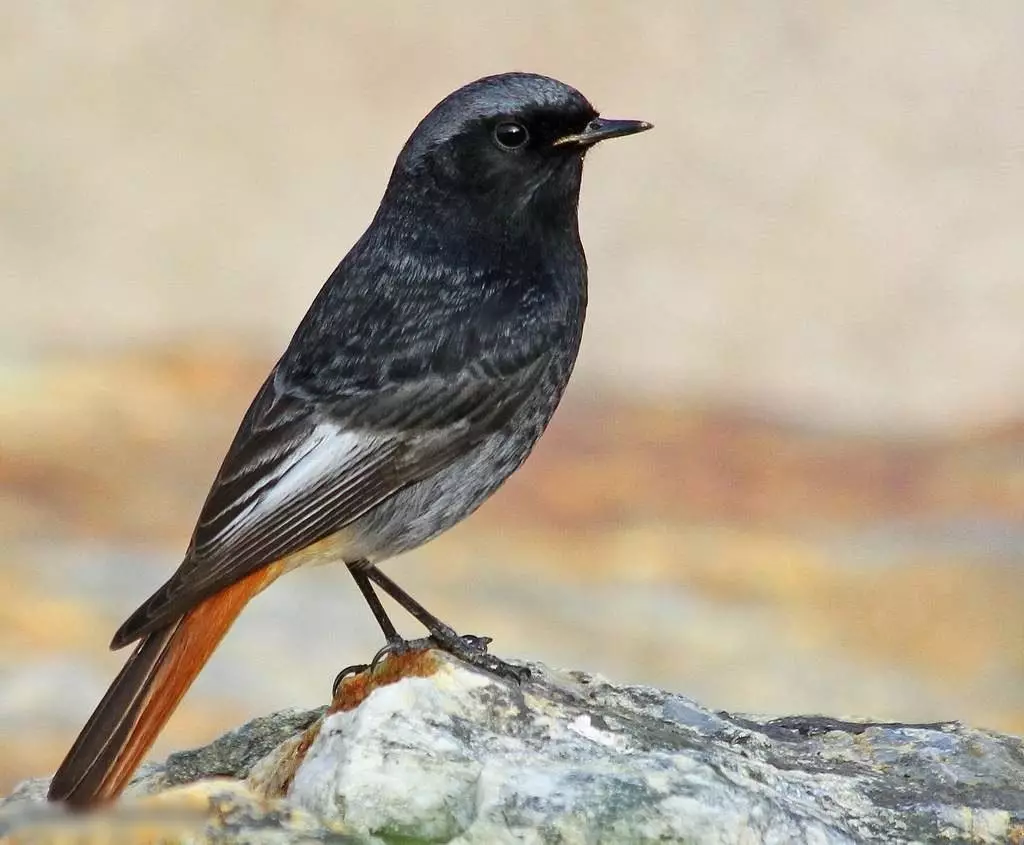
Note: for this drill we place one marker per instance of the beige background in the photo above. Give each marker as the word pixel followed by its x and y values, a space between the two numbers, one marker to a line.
pixel 826 223
pixel 789 475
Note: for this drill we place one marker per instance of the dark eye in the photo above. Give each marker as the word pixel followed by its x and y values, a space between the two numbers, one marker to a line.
pixel 510 135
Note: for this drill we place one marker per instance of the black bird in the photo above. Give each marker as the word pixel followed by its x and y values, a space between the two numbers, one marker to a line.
pixel 421 377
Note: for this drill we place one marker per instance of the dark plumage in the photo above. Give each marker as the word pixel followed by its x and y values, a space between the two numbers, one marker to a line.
pixel 420 379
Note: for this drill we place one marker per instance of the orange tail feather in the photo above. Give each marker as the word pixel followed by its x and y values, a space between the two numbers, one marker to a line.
pixel 145 693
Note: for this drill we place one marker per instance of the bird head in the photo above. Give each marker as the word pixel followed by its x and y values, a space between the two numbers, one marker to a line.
pixel 505 144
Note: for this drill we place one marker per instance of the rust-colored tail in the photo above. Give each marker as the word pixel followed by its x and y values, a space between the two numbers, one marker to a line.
pixel 144 695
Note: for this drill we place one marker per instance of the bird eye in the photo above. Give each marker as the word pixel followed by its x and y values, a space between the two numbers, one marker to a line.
pixel 510 135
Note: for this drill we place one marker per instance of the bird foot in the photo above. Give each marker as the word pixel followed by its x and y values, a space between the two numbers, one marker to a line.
pixel 472 649
pixel 469 648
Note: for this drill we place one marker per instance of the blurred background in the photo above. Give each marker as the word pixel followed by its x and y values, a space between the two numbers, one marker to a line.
pixel 789 474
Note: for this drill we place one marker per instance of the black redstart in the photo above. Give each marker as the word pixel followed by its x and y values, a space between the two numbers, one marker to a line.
pixel 421 377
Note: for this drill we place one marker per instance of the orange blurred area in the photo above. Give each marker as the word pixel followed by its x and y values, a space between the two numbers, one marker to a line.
pixel 745 562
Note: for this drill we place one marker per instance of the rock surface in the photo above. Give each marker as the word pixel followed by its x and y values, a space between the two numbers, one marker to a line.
pixel 425 749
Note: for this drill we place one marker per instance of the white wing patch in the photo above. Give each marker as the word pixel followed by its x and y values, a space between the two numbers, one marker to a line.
pixel 323 454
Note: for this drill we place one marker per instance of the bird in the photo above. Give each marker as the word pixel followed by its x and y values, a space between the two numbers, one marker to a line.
pixel 425 370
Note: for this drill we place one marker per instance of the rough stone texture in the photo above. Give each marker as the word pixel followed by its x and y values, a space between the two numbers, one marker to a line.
pixel 425 749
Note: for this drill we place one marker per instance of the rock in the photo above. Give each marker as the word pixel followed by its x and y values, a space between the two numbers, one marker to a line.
pixel 425 749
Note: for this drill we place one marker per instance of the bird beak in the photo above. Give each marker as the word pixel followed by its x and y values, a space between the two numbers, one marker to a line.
pixel 600 129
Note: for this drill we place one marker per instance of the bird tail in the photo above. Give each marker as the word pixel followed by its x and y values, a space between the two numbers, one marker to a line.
pixel 143 696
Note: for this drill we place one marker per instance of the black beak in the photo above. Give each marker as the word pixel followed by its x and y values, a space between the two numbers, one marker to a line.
pixel 600 129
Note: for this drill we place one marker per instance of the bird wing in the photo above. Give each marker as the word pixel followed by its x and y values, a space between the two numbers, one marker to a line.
pixel 302 468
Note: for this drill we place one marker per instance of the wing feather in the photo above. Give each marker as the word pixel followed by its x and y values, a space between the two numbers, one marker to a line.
pixel 300 469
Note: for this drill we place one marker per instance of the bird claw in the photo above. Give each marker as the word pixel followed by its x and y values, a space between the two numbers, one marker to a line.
pixel 354 669
pixel 396 647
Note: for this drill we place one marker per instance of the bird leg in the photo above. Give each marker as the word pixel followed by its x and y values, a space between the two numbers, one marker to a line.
pixel 358 569
pixel 469 648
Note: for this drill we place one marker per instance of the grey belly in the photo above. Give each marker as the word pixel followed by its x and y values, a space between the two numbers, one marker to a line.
pixel 423 510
